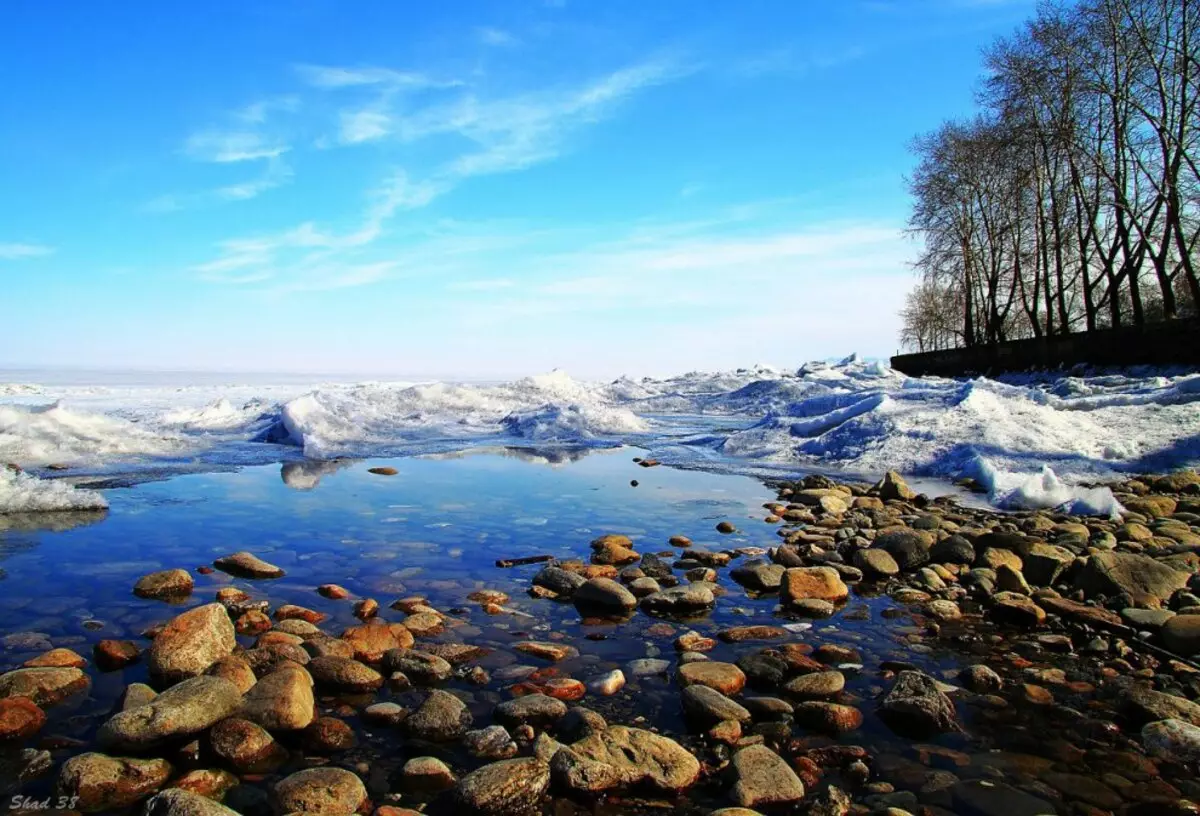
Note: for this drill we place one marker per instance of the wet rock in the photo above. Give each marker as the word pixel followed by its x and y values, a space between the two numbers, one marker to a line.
pixel 327 735
pixel 547 650
pixel 45 687
pixel 513 787
pixel 761 777
pixel 236 669
pixel 635 757
pixel 18 767
pixel 767 708
pixel 1181 634
pixel 559 580
pixel 426 774
pixel 331 791
pixel 828 718
pixel 1151 506
pixel 723 677
pixel 1173 740
pixel 207 783
pixel 1082 613
pixel 916 707
pixel 281 701
pixel 943 610
pixel 741 634
pixel 812 583
pixel 334 592
pixel 425 624
pixel 1084 789
pixel 441 718
pixel 816 686
pixel 420 667
pixel 694 642
pixel 55 659
pixel 1148 582
pixel 708 706
pixel 536 710
pixel 20 718
pixel 604 595
pixel 681 600
pixel 1016 610
pixel 111 655
pixel 613 549
pixel 181 802
pixel 907 547
pixel 192 642
pixel 981 679
pixel 493 742
pixel 246 565
pixel 765 669
pixel 1144 705
pixel 188 708
pixel 168 584
pixel 758 575
pixel 385 713
pixel 344 674
pixel 988 798
pixel 608 684
pixel 876 563
pixel 104 783
pixel 374 638
pixel 137 694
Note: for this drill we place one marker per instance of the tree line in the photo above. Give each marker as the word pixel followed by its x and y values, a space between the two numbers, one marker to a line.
pixel 1071 201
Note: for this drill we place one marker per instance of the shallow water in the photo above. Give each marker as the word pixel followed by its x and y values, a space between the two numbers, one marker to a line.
pixel 436 529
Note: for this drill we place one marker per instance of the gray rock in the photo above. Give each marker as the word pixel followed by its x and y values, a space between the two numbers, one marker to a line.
pixel 1044 563
pixel 907 547
pixel 639 758
pixel 344 674
pixel 441 718
pixel 420 667
pixel 179 802
pixel 536 710
pixel 1147 581
pixel 331 791
pixel 604 595
pixel 709 706
pixel 762 777
pixel 559 580
pixel 758 575
pixel 1173 740
pixel 987 798
pixel 681 600
pixel 192 642
pixel 514 787
pixel 955 549
pixel 916 707
pixel 183 710
pixel 103 783
pixel 493 742
pixel 876 563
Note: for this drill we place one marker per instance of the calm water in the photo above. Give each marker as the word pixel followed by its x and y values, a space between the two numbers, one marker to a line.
pixel 436 529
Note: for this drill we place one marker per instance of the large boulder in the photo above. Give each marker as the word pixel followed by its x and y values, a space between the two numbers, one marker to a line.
pixel 326 791
pixel 916 707
pixel 908 547
pixel 762 777
pixel 1044 563
pixel 1148 582
pixel 192 642
pixel 513 787
pixel 98 783
pixel 189 708
pixel 633 757
pixel 46 687
pixel 281 701
pixel 893 487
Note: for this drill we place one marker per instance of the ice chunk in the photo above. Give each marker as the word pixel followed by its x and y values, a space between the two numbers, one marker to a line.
pixel 23 493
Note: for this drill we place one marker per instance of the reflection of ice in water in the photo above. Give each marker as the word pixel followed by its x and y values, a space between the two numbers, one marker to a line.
pixel 56 522
pixel 306 475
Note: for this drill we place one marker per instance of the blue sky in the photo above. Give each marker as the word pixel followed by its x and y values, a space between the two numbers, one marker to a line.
pixel 467 188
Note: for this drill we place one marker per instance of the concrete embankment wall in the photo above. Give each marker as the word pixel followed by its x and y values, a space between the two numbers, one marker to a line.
pixel 1174 342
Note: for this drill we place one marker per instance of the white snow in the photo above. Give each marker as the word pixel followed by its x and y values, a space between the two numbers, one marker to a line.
pixel 1032 441
pixel 23 493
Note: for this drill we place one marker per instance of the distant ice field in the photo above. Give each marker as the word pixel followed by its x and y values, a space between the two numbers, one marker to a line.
pixel 1031 440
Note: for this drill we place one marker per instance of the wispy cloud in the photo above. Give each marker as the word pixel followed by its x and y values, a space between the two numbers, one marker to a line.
pixel 496 37
pixel 225 147
pixel 14 252
pixel 330 76
pixel 791 61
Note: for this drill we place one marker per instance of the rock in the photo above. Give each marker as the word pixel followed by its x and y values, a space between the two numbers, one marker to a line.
pixel 1079 612
pixel 169 584
pixel 386 713
pixel 943 610
pixel 1016 610
pixel 327 735
pixel 536 710
pixel 493 742
pixel 281 701
pixel 828 718
pixel 694 642
pixel 1173 740
pixel 184 710
pixel 1151 506
pixel 383 471
pixel 207 783
pixel 441 718
pixel 513 787
pixel 20 718
pixel 607 684
pixel 111 655
pixel 637 757
pixel 55 659
pixel 876 563
pixel 708 706
pixel 816 583
pixel 181 802
pixel 613 549
pixel 344 674
pixel 1084 789
pixel 763 778
pixel 374 638
pixel 546 650
pixel 994 558
pixel 20 766
pixel 559 580
pixel 426 774
pixel 192 642
pixel 741 634
pixel 981 679
pixel 245 565
pixel 681 600
pixel 1143 619
pixel 1181 634
pixel 988 798
pixel 723 677
pixel 1144 705
pixel 954 549
pixel 907 547
pixel 816 686
pixel 137 694
pixel 916 707
pixel 892 487
pixel 45 687
pixel 104 783
pixel 606 596
pixel 333 591
pixel 425 624
pixel 236 670
pixel 1147 581
pixel 1044 563
pixel 331 791
pixel 420 667
pixel 758 575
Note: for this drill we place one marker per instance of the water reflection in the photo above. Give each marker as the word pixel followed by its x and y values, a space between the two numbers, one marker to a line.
pixel 55 522
pixel 550 455
pixel 307 474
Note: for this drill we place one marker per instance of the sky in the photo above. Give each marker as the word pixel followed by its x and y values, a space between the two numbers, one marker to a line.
pixel 470 189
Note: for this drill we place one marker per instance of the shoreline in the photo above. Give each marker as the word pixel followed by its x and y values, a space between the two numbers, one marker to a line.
pixel 887 646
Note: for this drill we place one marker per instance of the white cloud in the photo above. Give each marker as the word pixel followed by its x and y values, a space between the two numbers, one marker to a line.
pixel 328 76
pixel 497 37
pixel 13 252
pixel 232 146
pixel 363 126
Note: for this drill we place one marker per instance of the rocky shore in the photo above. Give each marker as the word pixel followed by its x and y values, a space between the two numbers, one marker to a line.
pixel 1032 663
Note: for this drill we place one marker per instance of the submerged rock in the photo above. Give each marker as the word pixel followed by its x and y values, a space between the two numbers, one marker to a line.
pixel 246 565
pixel 45 687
